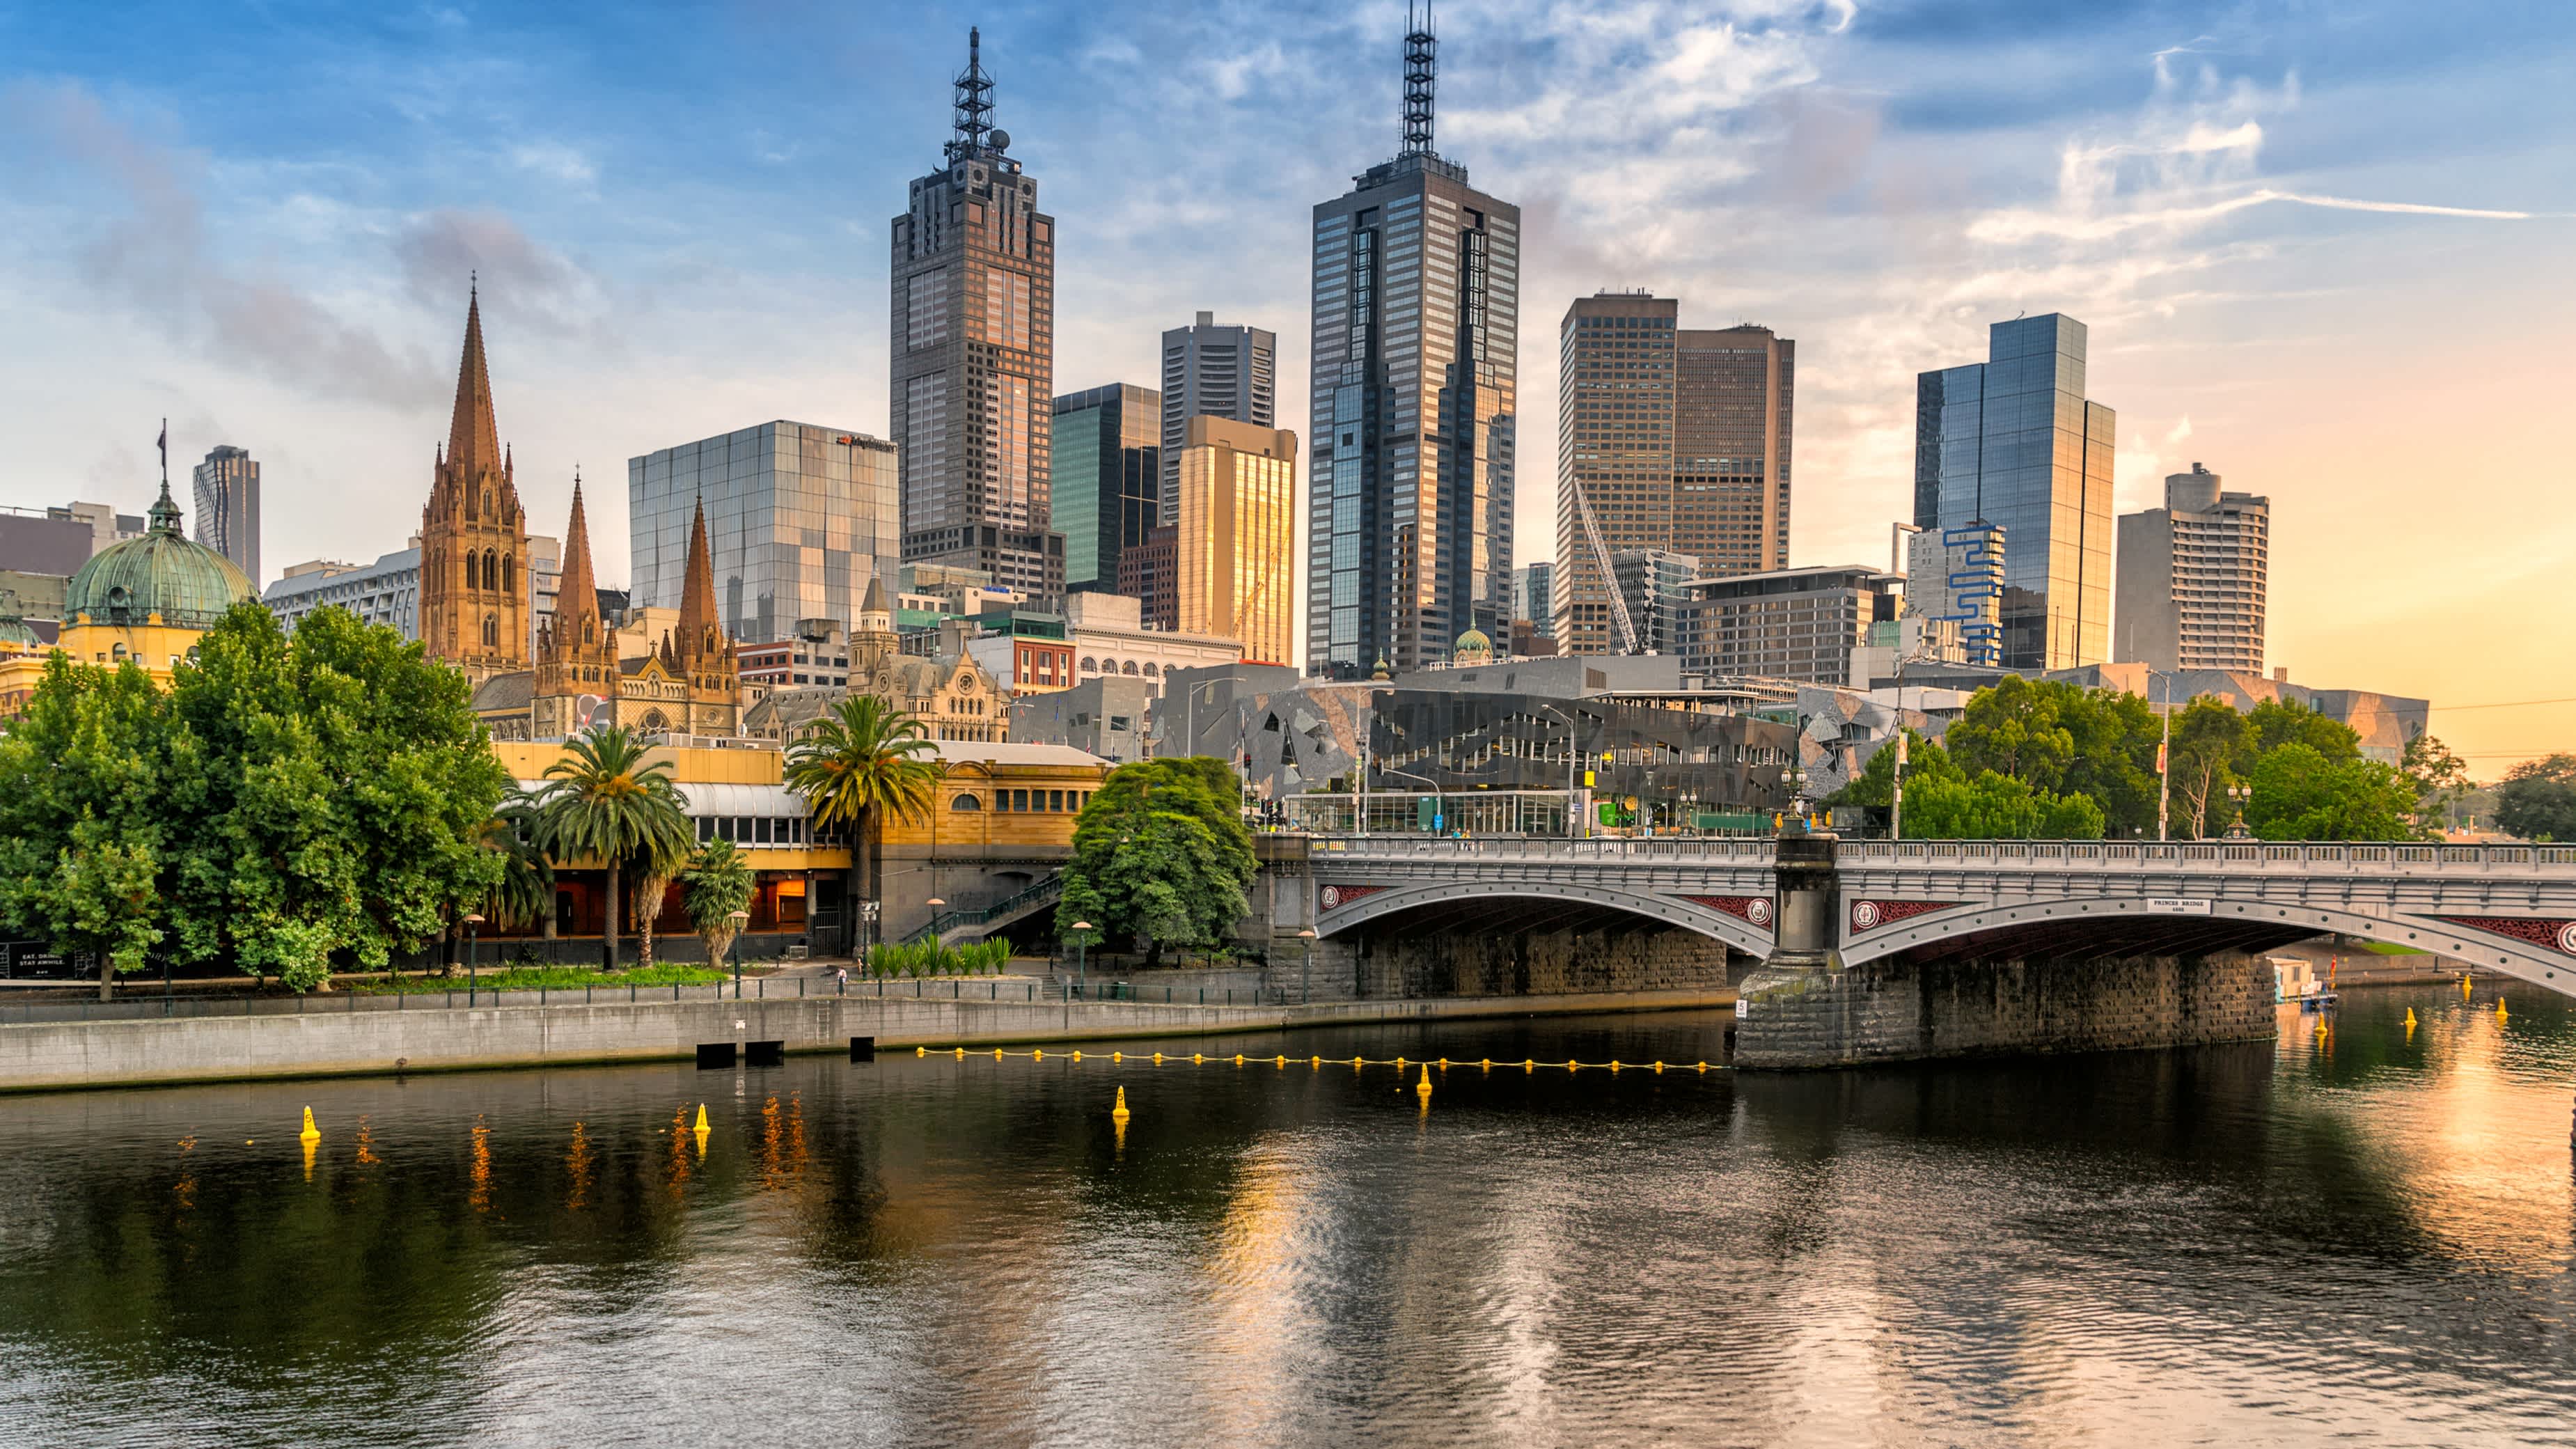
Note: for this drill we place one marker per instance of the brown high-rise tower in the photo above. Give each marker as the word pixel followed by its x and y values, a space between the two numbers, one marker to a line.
pixel 473 536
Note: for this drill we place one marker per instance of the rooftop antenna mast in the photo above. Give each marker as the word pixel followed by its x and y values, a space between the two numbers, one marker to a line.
pixel 974 100
pixel 1421 62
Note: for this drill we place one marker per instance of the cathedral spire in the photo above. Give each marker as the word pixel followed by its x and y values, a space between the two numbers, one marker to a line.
pixel 699 631
pixel 578 595
pixel 473 438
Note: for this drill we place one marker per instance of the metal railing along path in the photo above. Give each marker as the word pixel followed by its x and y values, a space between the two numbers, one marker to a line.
pixel 2284 856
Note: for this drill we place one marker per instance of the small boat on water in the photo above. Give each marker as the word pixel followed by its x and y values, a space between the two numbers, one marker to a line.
pixel 2294 982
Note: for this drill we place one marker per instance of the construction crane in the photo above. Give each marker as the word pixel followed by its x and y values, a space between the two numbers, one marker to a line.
pixel 1609 576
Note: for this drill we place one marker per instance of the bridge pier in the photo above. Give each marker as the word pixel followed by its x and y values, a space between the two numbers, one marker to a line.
pixel 1804 1007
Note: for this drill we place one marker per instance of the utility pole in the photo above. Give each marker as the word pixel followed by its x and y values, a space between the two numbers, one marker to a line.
pixel 2164 777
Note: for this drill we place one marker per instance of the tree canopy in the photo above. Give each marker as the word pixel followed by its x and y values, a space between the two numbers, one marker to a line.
pixel 607 800
pixel 293 804
pixel 2537 799
pixel 1161 856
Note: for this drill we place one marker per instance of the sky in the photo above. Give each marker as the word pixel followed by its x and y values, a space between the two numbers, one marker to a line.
pixel 2323 246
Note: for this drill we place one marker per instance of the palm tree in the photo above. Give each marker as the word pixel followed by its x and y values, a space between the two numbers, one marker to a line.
pixel 860 763
pixel 525 893
pixel 605 800
pixel 716 883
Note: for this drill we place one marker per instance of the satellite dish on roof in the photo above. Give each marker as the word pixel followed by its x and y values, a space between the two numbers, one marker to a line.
pixel 1001 140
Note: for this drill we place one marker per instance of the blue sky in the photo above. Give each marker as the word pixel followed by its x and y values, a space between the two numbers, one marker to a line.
pixel 257 219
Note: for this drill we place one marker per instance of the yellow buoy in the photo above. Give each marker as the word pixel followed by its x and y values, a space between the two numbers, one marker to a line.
pixel 2464 986
pixel 1317 1063
pixel 1703 1066
pixel 1614 1064
pixel 1077 1056
pixel 1527 1065
pixel 1197 1059
pixel 2501 1014
pixel 921 1051
pixel 1399 1064
pixel 1117 1056
pixel 702 1118
pixel 312 1133
pixel 1238 1059
pixel 1283 1061
pixel 1659 1066
pixel 1119 1112
pixel 2410 1018
pixel 1039 1055
pixel 961 1054
pixel 1571 1064
pixel 1158 1059
pixel 997 1054
pixel 1422 1088
pixel 1444 1064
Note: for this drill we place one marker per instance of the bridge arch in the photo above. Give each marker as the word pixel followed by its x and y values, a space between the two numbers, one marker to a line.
pixel 1574 902
pixel 2117 923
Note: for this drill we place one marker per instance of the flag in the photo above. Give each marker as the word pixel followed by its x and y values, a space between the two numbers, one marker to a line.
pixel 2160 757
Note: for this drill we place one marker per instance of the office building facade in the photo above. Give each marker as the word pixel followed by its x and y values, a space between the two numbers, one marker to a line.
pixel 1235 535
pixel 800 518
pixel 385 592
pixel 2014 442
pixel 973 357
pixel 1799 624
pixel 1954 578
pixel 2193 576
pixel 1655 585
pixel 1416 307
pixel 1533 595
pixel 1678 439
pixel 228 507
pixel 1107 488
pixel 1218 372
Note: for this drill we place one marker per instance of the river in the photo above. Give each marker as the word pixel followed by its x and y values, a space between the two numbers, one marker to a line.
pixel 2363 1236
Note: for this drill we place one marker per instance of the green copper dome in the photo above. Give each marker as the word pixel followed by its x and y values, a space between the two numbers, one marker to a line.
pixel 188 584
pixel 14 630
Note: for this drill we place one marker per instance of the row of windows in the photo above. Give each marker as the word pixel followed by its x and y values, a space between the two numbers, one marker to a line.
pixel 764 830
pixel 1024 802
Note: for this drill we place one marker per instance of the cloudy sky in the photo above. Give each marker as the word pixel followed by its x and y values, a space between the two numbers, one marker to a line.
pixel 2324 246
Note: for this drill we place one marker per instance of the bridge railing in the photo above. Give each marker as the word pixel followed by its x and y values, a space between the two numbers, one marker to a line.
pixel 2403 856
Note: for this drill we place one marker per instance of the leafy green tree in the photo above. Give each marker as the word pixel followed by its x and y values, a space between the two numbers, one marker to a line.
pixel 864 761
pixel 716 883
pixel 338 802
pixel 1161 855
pixel 2277 722
pixel 2209 736
pixel 1997 807
pixel 2537 799
pixel 2114 734
pixel 2013 728
pixel 82 779
pixel 606 801
pixel 2438 777
pixel 2301 793
pixel 1926 761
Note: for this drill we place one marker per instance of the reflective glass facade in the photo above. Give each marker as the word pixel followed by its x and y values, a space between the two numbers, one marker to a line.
pixel 1236 534
pixel 1107 463
pixel 1216 372
pixel 2014 442
pixel 1411 451
pixel 799 519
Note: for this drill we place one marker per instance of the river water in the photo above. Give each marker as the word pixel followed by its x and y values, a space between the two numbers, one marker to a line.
pixel 2361 1236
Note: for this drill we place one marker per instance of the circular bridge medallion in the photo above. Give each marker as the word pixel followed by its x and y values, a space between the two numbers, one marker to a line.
pixel 1864 915
pixel 2567 938
pixel 1758 911
pixel 1332 897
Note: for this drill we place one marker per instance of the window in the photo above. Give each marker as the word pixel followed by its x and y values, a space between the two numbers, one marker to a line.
pixel 760 828
pixel 965 803
pixel 1020 800
pixel 1055 800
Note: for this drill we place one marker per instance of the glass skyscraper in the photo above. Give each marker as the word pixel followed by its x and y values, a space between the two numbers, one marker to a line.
pixel 228 507
pixel 2013 442
pixel 1216 372
pixel 799 519
pixel 1416 327
pixel 973 356
pixel 1107 467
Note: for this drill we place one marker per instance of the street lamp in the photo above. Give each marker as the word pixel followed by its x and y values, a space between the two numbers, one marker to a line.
pixel 1306 971
pixel 1571 831
pixel 2241 795
pixel 1082 980
pixel 1794 776
pixel 471 922
pixel 740 919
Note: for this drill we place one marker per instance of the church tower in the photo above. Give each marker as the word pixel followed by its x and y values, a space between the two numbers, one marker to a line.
pixel 577 653
pixel 702 655
pixel 474 587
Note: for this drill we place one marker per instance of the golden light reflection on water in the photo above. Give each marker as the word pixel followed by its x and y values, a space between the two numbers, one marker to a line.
pixel 577 1168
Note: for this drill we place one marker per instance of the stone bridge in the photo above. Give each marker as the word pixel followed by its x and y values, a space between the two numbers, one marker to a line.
pixel 1937 919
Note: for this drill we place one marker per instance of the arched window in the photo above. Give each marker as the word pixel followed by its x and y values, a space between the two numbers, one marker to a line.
pixel 1127 668
pixel 965 803
pixel 491 570
pixel 491 632
pixel 509 574
pixel 1149 669
pixel 1090 665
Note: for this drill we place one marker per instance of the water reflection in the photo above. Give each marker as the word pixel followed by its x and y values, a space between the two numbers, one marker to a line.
pixel 2364 1234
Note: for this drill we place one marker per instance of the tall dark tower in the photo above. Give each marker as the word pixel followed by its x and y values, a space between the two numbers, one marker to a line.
pixel 1416 369
pixel 474 596
pixel 973 356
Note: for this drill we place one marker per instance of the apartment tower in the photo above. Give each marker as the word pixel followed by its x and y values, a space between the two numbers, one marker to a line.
pixel 228 507
pixel 1416 328
pixel 972 356
pixel 1217 372
pixel 2193 576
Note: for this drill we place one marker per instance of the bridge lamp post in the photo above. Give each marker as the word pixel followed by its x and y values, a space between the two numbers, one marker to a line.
pixel 2241 795
pixel 739 919
pixel 1794 775
pixel 1306 969
pixel 1082 979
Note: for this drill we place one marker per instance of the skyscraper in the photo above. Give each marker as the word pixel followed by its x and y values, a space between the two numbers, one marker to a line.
pixel 1108 472
pixel 1235 535
pixel 1216 372
pixel 973 356
pixel 228 507
pixel 1532 595
pixel 802 517
pixel 1678 439
pixel 2013 441
pixel 2193 576
pixel 1416 326
pixel 1954 577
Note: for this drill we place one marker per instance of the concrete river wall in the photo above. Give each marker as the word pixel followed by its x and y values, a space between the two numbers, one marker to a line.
pixel 50 1055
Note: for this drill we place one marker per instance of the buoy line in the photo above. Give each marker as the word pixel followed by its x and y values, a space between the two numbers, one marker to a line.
pixel 1282 1061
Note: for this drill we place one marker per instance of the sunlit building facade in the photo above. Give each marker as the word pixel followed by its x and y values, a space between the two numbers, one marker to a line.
pixel 1235 539
pixel 799 519
pixel 1107 488
pixel 2013 441
pixel 1218 371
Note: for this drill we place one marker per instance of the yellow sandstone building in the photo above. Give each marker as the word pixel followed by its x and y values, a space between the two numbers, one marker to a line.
pixel 147 599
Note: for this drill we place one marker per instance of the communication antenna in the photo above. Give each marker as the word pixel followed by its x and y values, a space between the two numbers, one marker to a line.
pixel 1421 62
pixel 974 100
